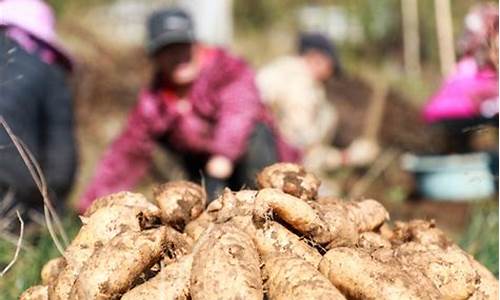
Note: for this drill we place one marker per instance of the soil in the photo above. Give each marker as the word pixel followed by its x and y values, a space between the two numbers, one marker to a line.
pixel 403 127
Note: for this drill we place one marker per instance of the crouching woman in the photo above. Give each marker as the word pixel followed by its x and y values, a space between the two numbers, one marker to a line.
pixel 202 104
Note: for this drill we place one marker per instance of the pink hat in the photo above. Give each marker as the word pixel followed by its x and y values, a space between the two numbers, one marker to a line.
pixel 36 18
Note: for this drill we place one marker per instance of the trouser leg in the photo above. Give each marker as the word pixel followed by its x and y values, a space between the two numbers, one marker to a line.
pixel 261 152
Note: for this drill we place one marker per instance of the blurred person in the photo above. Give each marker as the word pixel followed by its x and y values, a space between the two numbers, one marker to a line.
pixel 294 89
pixel 202 104
pixel 468 97
pixel 36 102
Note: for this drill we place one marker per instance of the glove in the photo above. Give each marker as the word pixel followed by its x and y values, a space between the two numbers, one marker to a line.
pixel 361 152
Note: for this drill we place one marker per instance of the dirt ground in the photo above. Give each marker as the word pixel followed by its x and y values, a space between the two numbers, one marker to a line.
pixel 402 127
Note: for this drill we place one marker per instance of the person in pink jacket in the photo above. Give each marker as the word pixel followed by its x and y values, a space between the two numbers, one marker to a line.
pixel 468 97
pixel 202 104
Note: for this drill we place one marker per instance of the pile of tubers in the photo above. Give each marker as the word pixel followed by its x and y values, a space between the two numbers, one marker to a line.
pixel 279 242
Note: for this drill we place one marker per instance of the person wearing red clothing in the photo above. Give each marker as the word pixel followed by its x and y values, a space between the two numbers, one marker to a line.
pixel 204 105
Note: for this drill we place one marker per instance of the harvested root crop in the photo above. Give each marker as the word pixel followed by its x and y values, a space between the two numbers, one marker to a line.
pixel 36 292
pixel 487 285
pixel 228 206
pixel 97 230
pixel 231 204
pixel 171 283
pixel 358 276
pixel 294 212
pixel 367 214
pixel 226 266
pixel 343 231
pixel 113 268
pixel 124 199
pixel 51 270
pixel 290 178
pixel 275 238
pixel 449 269
pixel 195 228
pixel 178 244
pixel 254 244
pixel 372 241
pixel 419 231
pixel 291 278
pixel 180 202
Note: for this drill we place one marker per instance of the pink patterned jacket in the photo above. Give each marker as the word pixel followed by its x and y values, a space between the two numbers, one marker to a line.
pixel 218 116
pixel 468 92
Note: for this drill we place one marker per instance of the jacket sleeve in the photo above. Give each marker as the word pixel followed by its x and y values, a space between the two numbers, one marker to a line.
pixel 59 157
pixel 127 159
pixel 239 109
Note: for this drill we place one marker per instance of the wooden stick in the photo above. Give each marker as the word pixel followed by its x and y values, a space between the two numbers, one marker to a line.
pixel 444 26
pixel 411 38
pixel 376 109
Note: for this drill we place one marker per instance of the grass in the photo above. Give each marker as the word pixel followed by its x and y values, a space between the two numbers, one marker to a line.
pixel 26 271
pixel 481 236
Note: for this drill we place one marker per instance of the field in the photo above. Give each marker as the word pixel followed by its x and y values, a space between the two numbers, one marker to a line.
pixel 474 226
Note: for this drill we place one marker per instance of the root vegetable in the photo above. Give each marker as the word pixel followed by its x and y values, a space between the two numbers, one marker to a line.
pixel 227 206
pixel 293 211
pixel 180 202
pixel 387 257
pixel 225 266
pixel 368 214
pixel 129 248
pixel 420 231
pixel 275 238
pixel 291 179
pixel 178 244
pixel 51 270
pixel 124 199
pixel 113 268
pixel 386 231
pixel 487 287
pixel 171 283
pixel 98 229
pixel 231 204
pixel 343 230
pixel 359 276
pixel 291 278
pixel 37 292
pixel 329 200
pixel 372 241
pixel 195 228
pixel 449 269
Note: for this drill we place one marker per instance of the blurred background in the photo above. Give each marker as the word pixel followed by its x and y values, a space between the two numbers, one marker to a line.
pixel 106 38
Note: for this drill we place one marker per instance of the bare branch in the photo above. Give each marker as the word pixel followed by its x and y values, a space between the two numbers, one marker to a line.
pixel 37 175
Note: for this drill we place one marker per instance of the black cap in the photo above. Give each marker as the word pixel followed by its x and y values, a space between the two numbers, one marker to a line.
pixel 319 42
pixel 168 26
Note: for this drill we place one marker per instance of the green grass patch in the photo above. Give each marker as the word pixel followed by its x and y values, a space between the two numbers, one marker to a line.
pixel 26 270
pixel 481 236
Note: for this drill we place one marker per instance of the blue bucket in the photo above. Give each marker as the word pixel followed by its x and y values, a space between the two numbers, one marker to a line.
pixel 463 177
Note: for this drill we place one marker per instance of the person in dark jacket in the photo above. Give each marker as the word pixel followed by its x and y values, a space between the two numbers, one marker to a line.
pixel 36 103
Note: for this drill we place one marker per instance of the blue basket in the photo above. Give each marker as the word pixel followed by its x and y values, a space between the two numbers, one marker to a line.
pixel 464 177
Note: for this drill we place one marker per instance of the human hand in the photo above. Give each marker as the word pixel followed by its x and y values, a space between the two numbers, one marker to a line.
pixel 219 166
pixel 321 157
pixel 361 152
